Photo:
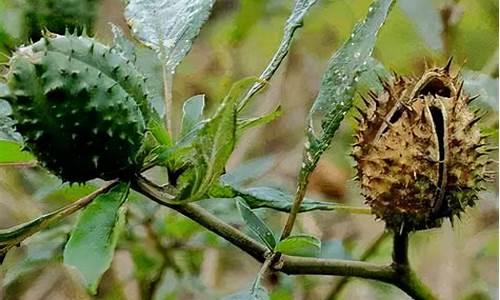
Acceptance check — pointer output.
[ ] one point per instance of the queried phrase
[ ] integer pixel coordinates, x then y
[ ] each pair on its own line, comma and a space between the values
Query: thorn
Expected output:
446, 68
395, 75
468, 101
111, 87
366, 101
360, 111
91, 49
5, 55
115, 69
46, 40
373, 95
384, 83
476, 146
474, 121
460, 88
426, 63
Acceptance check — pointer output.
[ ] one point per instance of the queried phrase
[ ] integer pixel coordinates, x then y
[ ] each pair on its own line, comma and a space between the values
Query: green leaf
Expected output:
256, 225
476, 83
258, 197
293, 22
7, 128
212, 146
369, 79
11, 152
67, 192
426, 19
92, 243
159, 132
300, 245
168, 26
339, 83
244, 124
122, 44
268, 197
192, 113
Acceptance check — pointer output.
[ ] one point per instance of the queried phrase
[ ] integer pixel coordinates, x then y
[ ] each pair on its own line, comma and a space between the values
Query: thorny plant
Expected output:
71, 94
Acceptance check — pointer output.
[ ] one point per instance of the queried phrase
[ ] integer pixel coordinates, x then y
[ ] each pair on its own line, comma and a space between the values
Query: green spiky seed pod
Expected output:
80, 106
419, 153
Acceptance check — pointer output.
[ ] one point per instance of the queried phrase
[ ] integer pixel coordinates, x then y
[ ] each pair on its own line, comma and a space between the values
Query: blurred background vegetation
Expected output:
162, 255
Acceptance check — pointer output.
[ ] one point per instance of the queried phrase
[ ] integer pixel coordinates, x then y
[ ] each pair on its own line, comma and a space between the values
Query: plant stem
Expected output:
27, 164
167, 95
372, 249
15, 235
299, 197
411, 284
405, 278
294, 265
263, 269
400, 249
206, 219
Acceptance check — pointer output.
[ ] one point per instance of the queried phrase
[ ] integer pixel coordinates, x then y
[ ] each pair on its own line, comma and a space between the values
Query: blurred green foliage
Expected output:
174, 255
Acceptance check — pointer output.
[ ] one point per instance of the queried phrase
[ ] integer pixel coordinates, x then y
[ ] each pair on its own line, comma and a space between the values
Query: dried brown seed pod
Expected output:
419, 152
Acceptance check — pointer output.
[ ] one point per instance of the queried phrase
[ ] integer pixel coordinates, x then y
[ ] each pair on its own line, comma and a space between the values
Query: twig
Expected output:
293, 265
299, 197
15, 235
26, 164
405, 278
400, 249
